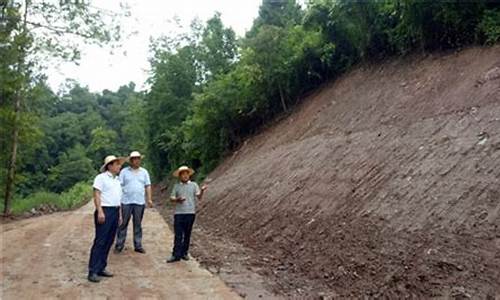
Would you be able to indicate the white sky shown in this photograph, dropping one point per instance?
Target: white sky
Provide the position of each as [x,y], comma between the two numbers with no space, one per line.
[99,69]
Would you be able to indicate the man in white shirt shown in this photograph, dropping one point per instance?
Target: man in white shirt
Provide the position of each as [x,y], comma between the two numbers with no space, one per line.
[107,216]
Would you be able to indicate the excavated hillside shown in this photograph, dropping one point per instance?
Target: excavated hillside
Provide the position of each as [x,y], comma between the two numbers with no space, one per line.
[385,182]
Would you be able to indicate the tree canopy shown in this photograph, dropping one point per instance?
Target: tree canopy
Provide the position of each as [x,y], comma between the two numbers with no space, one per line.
[202,104]
[208,89]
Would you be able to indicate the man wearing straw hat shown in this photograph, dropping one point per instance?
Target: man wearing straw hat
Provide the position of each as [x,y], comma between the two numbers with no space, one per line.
[136,187]
[184,195]
[107,216]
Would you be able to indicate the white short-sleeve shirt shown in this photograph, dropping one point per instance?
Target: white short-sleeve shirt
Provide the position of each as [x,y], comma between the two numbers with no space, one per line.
[111,190]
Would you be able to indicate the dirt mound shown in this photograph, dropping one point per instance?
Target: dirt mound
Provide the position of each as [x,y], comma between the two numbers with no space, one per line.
[383,183]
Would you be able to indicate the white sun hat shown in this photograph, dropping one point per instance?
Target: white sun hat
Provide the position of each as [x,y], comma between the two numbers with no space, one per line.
[135,154]
[182,169]
[109,159]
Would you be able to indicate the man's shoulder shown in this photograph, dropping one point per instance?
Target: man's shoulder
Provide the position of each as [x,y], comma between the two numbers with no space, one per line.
[100,176]
[99,180]
[122,172]
[144,170]
[193,183]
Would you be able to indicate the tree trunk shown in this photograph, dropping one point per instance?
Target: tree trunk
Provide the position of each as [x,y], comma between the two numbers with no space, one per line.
[282,97]
[9,188]
[11,172]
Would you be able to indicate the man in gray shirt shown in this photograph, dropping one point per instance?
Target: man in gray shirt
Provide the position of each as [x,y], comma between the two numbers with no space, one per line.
[184,195]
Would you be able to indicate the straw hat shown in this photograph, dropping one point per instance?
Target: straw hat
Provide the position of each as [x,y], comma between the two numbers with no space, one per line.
[182,169]
[134,154]
[109,159]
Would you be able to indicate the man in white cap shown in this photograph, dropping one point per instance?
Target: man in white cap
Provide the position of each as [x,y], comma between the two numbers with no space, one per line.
[184,195]
[136,186]
[107,216]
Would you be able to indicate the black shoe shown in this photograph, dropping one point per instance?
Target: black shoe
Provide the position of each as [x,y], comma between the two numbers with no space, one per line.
[105,274]
[93,278]
[185,257]
[173,259]
[140,250]
[118,249]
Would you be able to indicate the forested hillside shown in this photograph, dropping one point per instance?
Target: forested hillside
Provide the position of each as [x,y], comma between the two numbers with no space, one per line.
[208,89]
[65,137]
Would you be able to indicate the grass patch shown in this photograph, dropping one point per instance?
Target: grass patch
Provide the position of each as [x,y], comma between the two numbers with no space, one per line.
[79,194]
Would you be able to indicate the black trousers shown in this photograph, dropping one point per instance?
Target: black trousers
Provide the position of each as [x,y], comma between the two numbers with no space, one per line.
[135,211]
[104,237]
[183,225]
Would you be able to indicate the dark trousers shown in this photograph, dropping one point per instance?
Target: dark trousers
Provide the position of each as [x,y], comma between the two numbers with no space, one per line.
[104,237]
[136,212]
[183,225]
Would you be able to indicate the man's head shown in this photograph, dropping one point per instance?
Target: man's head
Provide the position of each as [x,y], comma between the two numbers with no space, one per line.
[114,167]
[184,176]
[135,162]
[135,159]
[112,164]
[184,173]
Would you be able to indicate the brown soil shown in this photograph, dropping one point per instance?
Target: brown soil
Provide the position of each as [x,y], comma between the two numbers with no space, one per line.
[229,261]
[46,258]
[384,183]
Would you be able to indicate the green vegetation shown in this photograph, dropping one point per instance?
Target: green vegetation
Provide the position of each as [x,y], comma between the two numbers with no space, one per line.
[79,194]
[203,108]
[74,131]
[34,33]
[208,90]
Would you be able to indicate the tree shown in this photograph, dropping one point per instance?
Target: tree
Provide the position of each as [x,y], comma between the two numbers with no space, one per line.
[73,166]
[17,34]
[217,48]
[103,142]
[182,66]
[279,13]
[30,30]
[134,128]
[167,103]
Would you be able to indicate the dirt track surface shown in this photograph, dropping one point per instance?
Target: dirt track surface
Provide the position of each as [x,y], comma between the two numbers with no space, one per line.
[384,183]
[46,258]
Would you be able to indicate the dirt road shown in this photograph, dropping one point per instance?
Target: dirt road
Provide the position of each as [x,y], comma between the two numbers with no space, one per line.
[46,258]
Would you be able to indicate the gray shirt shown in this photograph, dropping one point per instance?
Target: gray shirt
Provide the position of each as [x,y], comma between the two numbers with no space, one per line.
[187,190]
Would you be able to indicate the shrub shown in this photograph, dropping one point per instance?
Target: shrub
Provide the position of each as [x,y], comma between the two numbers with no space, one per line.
[79,194]
[489,27]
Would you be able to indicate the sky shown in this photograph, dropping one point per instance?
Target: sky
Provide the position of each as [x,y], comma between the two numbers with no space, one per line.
[100,68]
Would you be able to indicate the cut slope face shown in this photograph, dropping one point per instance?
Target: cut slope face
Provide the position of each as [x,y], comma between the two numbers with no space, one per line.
[385,182]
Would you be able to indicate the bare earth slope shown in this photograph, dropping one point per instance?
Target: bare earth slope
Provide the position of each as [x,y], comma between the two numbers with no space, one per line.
[46,258]
[386,182]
